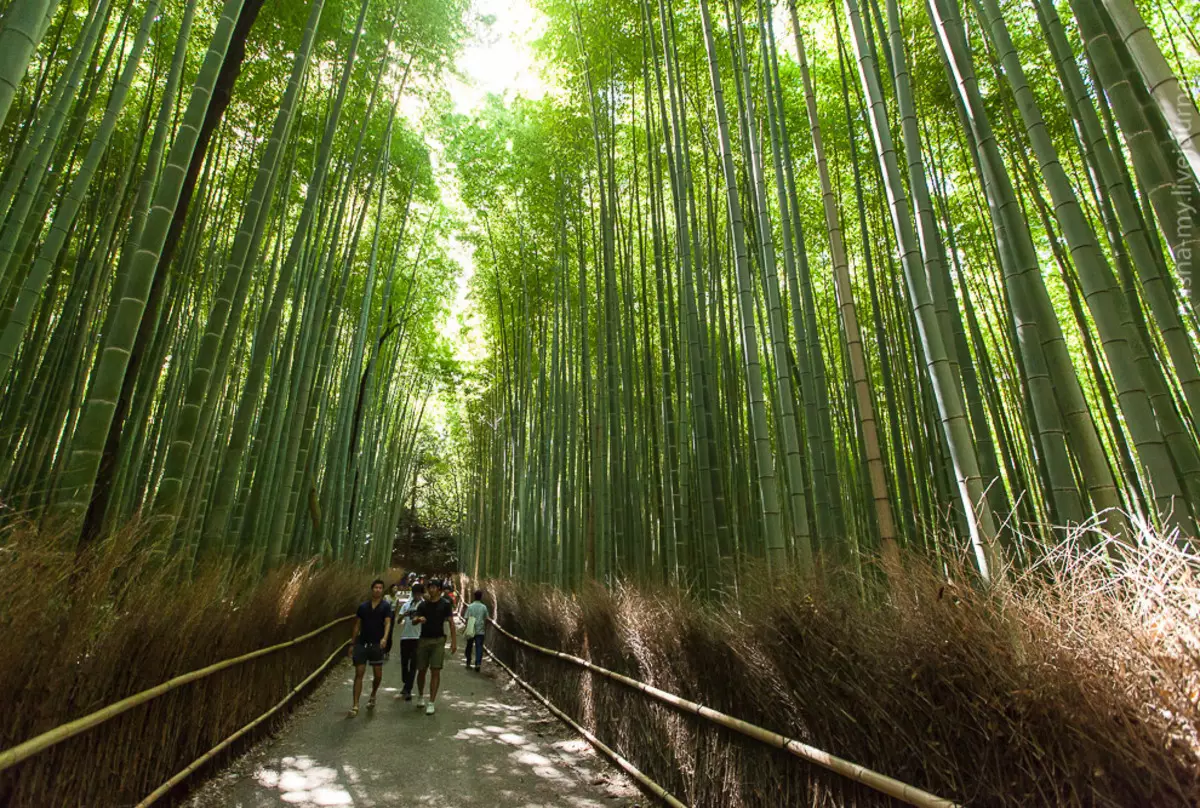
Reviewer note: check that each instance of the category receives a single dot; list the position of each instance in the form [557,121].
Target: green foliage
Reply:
[599,387]
[357,347]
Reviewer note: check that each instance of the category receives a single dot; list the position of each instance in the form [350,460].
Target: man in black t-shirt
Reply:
[371,631]
[432,616]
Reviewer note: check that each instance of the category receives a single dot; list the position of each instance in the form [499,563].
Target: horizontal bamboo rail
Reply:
[852,771]
[40,743]
[633,771]
[162,790]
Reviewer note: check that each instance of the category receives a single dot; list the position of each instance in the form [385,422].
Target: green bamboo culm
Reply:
[768,485]
[933,346]
[88,444]
[243,256]
[65,213]
[25,22]
[225,488]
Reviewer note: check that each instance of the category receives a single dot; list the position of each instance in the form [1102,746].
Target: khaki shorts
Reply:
[431,653]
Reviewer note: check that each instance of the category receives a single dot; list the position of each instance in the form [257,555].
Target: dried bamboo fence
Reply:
[160,792]
[12,757]
[622,763]
[851,771]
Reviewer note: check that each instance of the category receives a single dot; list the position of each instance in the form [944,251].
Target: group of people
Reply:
[424,618]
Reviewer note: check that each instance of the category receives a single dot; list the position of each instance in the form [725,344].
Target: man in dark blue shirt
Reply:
[371,631]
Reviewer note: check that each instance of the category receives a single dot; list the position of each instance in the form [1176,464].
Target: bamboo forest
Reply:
[856,342]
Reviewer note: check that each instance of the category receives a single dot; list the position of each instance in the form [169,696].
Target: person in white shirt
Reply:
[477,615]
[393,599]
[410,637]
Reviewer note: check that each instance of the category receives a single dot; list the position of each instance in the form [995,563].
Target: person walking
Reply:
[433,615]
[477,615]
[410,637]
[393,598]
[371,630]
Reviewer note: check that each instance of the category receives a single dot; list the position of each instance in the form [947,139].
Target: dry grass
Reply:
[77,634]
[1077,684]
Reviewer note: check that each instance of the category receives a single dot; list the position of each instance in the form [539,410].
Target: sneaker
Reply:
[408,696]
[429,708]
[421,701]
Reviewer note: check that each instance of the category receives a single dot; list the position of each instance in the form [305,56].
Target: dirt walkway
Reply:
[487,745]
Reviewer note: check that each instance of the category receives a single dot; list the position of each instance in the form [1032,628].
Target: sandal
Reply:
[353,712]
[371,703]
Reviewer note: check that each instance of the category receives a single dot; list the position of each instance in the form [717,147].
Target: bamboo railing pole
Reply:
[39,743]
[616,758]
[178,778]
[853,771]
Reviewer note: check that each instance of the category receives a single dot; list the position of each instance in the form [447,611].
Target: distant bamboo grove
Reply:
[803,283]
[222,267]
[756,283]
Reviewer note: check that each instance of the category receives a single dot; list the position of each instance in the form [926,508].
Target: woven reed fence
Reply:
[120,753]
[192,735]
[853,772]
[701,761]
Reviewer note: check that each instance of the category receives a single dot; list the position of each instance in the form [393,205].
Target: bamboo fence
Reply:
[845,768]
[182,775]
[852,771]
[622,763]
[39,743]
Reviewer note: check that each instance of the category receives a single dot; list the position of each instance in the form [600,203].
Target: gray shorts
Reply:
[367,654]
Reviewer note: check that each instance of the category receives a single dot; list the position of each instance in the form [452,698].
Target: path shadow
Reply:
[485,747]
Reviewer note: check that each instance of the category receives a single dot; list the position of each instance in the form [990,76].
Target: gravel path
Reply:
[489,745]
